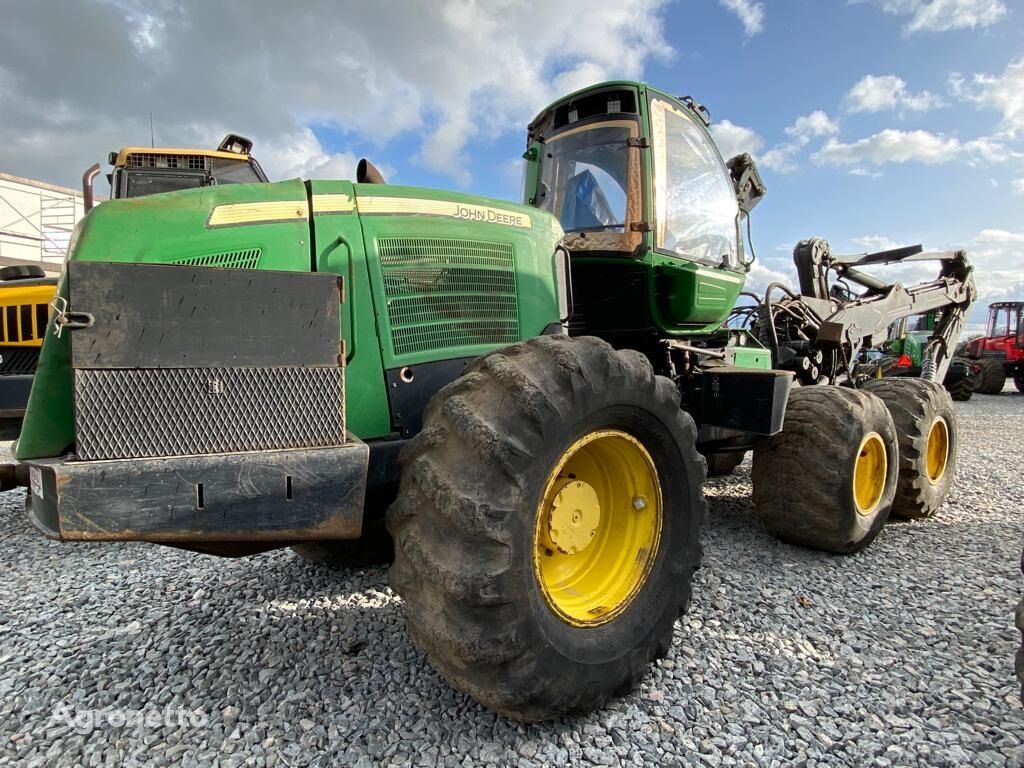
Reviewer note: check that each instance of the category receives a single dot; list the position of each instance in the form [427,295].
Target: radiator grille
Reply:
[160,160]
[23,322]
[445,293]
[247,259]
[151,412]
[18,361]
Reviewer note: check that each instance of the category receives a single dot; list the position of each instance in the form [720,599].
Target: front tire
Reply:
[538,455]
[926,425]
[827,481]
[1018,381]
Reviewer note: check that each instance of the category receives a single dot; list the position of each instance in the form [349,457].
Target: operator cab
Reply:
[141,171]
[651,213]
[1006,318]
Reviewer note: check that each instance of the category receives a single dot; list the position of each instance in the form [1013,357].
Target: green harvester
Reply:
[517,402]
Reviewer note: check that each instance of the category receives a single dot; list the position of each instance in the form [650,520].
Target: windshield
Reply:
[235,173]
[583,178]
[697,216]
[141,183]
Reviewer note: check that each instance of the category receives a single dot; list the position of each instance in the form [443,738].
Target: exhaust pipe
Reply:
[87,177]
[367,173]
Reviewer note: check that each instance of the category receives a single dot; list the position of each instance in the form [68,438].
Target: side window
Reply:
[696,214]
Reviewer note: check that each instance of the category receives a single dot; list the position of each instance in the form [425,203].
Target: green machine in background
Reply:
[237,368]
[902,353]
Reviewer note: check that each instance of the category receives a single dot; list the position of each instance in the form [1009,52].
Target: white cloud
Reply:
[456,72]
[1004,93]
[301,155]
[1017,185]
[866,173]
[1000,237]
[750,13]
[734,139]
[875,93]
[890,146]
[817,123]
[770,270]
[873,243]
[780,158]
[945,15]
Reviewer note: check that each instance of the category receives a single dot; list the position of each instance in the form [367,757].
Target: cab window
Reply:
[696,214]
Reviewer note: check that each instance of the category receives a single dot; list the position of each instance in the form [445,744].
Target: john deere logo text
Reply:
[490,215]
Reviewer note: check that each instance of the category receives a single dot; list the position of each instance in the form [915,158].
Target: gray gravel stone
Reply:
[901,655]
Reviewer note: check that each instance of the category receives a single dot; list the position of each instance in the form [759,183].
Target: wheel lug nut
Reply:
[639,503]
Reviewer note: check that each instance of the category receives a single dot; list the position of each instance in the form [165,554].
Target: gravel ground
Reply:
[902,655]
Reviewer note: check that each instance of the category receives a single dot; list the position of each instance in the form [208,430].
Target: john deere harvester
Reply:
[238,368]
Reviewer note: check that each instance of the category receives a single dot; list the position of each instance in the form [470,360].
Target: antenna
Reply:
[151,142]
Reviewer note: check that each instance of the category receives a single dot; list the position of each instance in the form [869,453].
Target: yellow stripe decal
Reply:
[720,274]
[334,203]
[452,210]
[252,213]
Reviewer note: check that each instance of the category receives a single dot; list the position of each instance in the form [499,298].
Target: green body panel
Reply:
[515,262]
[693,298]
[338,240]
[909,344]
[752,357]
[687,298]
[48,426]
[292,226]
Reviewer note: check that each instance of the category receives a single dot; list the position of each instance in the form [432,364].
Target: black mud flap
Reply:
[209,406]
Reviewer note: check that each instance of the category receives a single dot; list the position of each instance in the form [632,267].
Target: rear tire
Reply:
[993,376]
[804,477]
[1018,381]
[926,425]
[722,464]
[473,502]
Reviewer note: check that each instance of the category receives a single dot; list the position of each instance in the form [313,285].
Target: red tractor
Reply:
[1000,351]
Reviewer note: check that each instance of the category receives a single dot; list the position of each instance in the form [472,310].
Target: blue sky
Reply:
[875,122]
[806,56]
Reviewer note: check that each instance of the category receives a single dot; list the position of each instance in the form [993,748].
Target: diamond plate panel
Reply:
[147,413]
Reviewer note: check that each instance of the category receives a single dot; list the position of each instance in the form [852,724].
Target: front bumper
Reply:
[260,496]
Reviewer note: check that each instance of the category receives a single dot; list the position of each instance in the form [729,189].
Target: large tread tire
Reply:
[724,463]
[463,525]
[993,376]
[1018,381]
[374,547]
[803,477]
[961,382]
[915,405]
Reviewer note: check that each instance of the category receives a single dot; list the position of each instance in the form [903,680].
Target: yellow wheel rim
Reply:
[869,471]
[937,450]
[597,528]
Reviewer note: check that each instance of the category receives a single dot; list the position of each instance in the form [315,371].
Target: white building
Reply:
[36,221]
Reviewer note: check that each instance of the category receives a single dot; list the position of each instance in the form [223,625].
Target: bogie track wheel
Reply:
[828,480]
[926,426]
[547,525]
